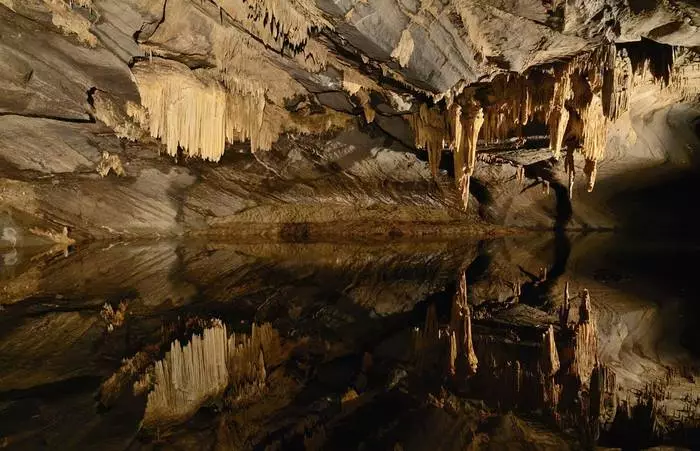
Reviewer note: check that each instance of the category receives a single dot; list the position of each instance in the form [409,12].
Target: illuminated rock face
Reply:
[458,90]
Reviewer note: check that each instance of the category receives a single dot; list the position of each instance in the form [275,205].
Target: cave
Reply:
[349,224]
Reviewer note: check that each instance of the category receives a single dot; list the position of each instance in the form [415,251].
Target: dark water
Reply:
[336,308]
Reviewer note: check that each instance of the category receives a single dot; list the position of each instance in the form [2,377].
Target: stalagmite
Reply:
[571,185]
[187,377]
[585,308]
[603,390]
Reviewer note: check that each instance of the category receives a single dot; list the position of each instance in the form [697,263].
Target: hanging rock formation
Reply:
[309,88]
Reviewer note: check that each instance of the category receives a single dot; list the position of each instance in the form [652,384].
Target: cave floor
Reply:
[345,313]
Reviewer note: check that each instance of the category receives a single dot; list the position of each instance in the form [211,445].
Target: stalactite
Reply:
[463,362]
[280,24]
[195,111]
[648,56]
[617,86]
[431,322]
[430,129]
[513,101]
[200,371]
[426,343]
[190,110]
[459,301]
[558,114]
[520,174]
[187,377]
[110,163]
[467,124]
[594,136]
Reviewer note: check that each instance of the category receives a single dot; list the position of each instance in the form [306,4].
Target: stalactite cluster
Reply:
[458,130]
[191,110]
[196,111]
[281,24]
[430,130]
[575,100]
[514,100]
[72,22]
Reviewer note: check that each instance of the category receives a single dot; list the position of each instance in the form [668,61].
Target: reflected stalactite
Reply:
[248,356]
[203,369]
[453,343]
[187,377]
[468,358]
[550,357]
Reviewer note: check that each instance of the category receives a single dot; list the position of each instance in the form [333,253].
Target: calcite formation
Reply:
[201,370]
[187,377]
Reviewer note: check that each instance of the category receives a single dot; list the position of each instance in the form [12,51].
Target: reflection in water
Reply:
[320,346]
